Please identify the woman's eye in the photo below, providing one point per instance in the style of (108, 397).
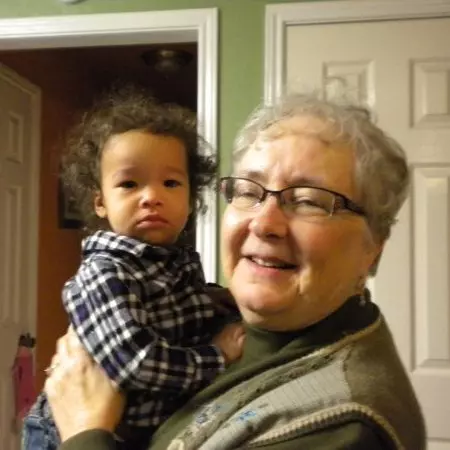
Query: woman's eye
(172, 183)
(306, 203)
(127, 184)
(303, 201)
(246, 194)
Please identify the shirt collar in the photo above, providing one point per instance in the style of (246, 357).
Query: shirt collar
(355, 314)
(113, 242)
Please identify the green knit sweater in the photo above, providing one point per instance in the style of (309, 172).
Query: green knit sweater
(336, 385)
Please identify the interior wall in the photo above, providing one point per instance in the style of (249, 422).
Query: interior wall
(64, 93)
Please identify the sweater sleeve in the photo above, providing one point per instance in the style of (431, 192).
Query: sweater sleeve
(104, 304)
(90, 440)
(349, 436)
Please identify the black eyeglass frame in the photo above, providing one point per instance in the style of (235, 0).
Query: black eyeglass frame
(341, 202)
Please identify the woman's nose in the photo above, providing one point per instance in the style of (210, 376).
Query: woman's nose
(269, 221)
(151, 196)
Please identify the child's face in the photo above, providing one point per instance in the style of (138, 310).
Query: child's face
(145, 186)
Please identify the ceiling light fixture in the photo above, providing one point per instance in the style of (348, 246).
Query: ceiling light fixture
(167, 60)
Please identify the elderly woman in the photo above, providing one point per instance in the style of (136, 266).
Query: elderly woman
(315, 190)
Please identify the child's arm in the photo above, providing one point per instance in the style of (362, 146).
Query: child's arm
(105, 308)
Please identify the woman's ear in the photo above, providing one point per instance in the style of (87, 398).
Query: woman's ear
(99, 206)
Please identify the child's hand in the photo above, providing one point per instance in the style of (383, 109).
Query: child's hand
(223, 301)
(230, 341)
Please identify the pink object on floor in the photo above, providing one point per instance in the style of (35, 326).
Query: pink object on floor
(23, 379)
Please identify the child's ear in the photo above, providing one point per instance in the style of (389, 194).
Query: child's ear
(99, 206)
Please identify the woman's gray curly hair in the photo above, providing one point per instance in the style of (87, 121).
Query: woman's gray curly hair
(382, 174)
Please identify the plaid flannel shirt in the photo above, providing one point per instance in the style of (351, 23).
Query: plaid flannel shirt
(142, 313)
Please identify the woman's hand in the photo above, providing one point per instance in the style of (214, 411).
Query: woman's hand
(80, 394)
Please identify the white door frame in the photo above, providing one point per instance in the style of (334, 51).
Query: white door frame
(279, 17)
(144, 27)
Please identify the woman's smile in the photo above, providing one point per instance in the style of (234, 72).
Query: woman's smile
(268, 267)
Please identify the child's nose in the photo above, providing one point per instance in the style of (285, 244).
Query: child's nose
(151, 196)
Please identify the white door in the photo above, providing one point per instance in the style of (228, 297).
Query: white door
(19, 144)
(402, 69)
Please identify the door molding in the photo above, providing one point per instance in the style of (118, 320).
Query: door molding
(143, 27)
(280, 17)
(33, 214)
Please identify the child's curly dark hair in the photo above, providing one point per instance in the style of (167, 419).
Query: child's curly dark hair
(123, 109)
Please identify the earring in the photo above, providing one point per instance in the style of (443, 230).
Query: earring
(361, 290)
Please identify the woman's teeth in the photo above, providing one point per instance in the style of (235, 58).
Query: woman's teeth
(271, 263)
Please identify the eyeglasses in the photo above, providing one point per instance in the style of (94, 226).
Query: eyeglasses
(303, 201)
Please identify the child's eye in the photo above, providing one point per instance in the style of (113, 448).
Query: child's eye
(127, 184)
(172, 183)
